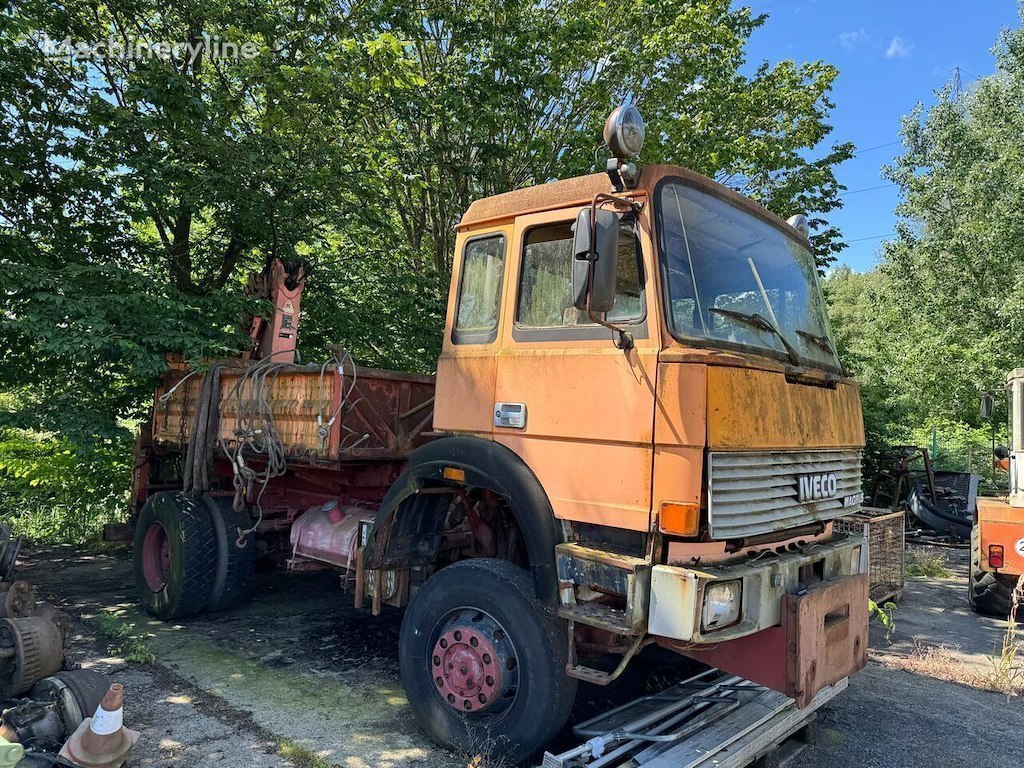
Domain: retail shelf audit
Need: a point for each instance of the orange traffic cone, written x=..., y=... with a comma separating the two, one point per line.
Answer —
x=102, y=741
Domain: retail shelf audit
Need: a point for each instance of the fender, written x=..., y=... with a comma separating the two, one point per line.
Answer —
x=410, y=517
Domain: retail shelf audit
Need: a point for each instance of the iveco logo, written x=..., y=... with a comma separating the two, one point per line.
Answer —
x=816, y=487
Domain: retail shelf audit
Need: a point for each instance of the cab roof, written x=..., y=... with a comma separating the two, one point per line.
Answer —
x=581, y=190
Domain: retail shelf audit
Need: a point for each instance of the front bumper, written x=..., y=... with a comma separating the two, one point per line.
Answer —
x=677, y=593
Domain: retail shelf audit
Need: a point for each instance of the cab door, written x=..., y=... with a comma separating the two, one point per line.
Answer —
x=578, y=410
x=467, y=367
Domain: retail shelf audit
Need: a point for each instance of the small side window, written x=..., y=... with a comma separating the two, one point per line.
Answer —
x=483, y=270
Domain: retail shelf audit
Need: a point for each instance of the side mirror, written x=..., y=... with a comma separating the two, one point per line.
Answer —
x=595, y=256
x=987, y=406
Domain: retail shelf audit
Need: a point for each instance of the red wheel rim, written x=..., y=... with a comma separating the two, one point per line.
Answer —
x=473, y=663
x=156, y=557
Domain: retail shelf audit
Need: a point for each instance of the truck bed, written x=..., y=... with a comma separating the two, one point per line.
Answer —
x=386, y=414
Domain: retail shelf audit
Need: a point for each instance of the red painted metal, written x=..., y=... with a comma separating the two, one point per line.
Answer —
x=760, y=657
x=474, y=664
x=156, y=557
x=277, y=336
x=466, y=669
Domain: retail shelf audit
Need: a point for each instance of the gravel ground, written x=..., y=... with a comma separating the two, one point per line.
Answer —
x=299, y=678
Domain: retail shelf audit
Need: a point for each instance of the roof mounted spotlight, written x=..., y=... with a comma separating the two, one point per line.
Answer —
x=799, y=223
x=624, y=133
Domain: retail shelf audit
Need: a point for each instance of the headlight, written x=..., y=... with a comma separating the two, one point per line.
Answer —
x=721, y=604
x=624, y=132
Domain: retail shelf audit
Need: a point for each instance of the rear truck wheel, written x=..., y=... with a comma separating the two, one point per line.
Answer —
x=175, y=555
x=232, y=581
x=990, y=594
x=483, y=661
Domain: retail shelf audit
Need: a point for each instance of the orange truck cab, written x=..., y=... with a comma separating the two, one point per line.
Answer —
x=997, y=538
x=706, y=460
x=641, y=434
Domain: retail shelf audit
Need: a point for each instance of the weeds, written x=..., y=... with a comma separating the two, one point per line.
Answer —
x=940, y=662
x=301, y=756
x=1007, y=673
x=122, y=640
x=884, y=615
x=928, y=566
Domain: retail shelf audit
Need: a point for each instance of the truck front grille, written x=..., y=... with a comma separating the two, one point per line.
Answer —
x=755, y=493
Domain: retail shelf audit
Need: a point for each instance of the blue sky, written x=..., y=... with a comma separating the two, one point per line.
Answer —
x=890, y=55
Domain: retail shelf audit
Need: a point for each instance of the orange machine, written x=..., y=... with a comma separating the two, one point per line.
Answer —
x=997, y=539
x=641, y=434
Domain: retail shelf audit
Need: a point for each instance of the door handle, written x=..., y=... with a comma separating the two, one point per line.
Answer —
x=510, y=415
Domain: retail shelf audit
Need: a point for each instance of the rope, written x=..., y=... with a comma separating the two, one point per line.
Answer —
x=257, y=436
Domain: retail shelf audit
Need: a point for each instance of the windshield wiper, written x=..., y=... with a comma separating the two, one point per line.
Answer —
x=819, y=341
x=825, y=344
x=757, y=321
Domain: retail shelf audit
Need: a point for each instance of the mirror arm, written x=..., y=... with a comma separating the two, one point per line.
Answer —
x=623, y=339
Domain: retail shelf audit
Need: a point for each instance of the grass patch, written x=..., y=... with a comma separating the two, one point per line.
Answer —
x=942, y=663
x=928, y=566
x=123, y=641
x=303, y=757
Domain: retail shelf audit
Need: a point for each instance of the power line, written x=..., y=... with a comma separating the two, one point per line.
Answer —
x=877, y=146
x=866, y=189
x=873, y=237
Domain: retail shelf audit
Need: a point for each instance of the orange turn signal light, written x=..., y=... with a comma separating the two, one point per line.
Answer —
x=995, y=556
x=454, y=473
x=680, y=519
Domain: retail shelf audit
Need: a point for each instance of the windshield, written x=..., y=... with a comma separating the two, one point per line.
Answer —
x=736, y=279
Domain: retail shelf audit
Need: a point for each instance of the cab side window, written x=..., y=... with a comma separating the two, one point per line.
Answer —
x=479, y=302
x=545, y=288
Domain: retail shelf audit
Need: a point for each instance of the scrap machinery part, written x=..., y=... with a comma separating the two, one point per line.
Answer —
x=55, y=708
x=50, y=612
x=17, y=600
x=711, y=720
x=30, y=649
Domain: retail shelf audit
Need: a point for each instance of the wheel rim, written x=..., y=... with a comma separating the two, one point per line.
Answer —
x=473, y=664
x=156, y=557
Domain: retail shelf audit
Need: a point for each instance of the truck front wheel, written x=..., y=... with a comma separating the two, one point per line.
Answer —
x=483, y=661
x=175, y=556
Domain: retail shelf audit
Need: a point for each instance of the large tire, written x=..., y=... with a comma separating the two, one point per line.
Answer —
x=232, y=582
x=175, y=556
x=483, y=662
x=990, y=594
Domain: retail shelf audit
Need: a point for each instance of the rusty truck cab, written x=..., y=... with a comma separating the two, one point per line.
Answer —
x=708, y=452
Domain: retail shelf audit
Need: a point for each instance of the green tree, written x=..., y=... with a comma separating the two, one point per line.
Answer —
x=955, y=275
x=516, y=93
x=136, y=192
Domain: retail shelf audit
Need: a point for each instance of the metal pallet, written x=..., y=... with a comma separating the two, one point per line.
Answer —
x=710, y=720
